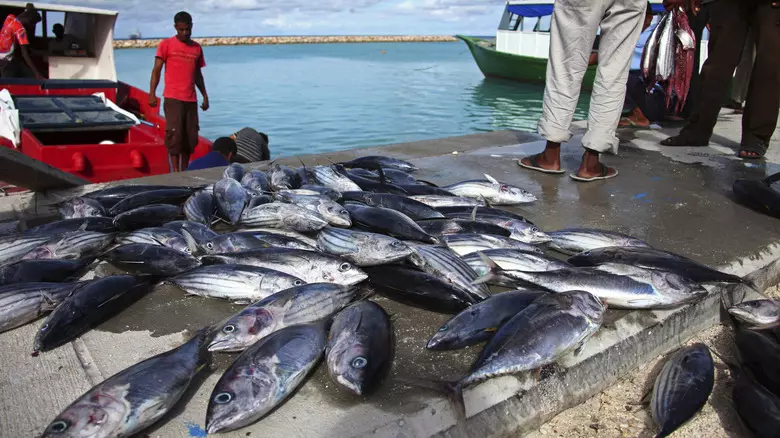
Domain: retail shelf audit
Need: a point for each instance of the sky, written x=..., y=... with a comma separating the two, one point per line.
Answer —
x=154, y=18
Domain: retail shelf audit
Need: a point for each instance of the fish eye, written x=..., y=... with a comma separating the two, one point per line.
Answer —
x=359, y=362
x=397, y=244
x=59, y=426
x=504, y=188
x=223, y=397
x=344, y=212
x=444, y=328
x=209, y=245
x=230, y=328
x=345, y=267
x=535, y=230
x=44, y=327
x=298, y=283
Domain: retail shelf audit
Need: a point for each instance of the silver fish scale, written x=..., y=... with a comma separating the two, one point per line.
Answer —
x=445, y=264
x=21, y=303
x=513, y=260
x=77, y=244
x=436, y=201
x=328, y=177
x=665, y=64
x=463, y=244
x=283, y=215
x=193, y=208
x=154, y=236
x=13, y=247
x=235, y=282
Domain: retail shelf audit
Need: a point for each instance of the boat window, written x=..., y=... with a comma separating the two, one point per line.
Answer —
x=78, y=38
x=543, y=25
x=515, y=21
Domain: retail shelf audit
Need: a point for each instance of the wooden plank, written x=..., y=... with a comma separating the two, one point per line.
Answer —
x=23, y=171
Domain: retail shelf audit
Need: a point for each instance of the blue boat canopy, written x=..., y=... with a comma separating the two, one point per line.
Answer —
x=543, y=10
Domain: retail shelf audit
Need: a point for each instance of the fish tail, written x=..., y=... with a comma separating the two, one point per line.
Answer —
x=453, y=391
x=494, y=272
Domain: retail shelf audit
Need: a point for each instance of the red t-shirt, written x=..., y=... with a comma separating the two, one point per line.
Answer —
x=12, y=31
x=181, y=61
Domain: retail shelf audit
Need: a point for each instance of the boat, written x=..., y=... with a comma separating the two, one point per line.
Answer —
x=520, y=49
x=135, y=35
x=80, y=119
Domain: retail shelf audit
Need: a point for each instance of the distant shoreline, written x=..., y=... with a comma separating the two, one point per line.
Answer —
x=241, y=41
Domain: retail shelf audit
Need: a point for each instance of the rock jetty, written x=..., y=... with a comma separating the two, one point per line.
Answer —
x=237, y=41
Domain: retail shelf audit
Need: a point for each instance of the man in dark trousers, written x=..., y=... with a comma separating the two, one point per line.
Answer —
x=183, y=60
x=223, y=149
x=730, y=21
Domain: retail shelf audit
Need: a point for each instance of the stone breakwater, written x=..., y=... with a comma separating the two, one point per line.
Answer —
x=237, y=41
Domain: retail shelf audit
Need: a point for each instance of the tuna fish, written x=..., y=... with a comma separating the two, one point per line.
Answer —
x=390, y=222
x=263, y=376
x=248, y=240
x=511, y=260
x=44, y=270
x=200, y=208
x=493, y=191
x=201, y=233
x=464, y=244
x=436, y=201
x=111, y=196
x=373, y=161
x=479, y=322
x=757, y=407
x=328, y=177
x=142, y=258
x=322, y=190
x=441, y=262
x=442, y=227
x=284, y=177
x=757, y=314
x=682, y=388
x=81, y=207
x=360, y=347
x=171, y=195
x=297, y=305
x=148, y=216
x=25, y=302
x=231, y=199
x=13, y=247
x=156, y=236
x=234, y=171
x=415, y=288
x=135, y=398
x=575, y=241
x=99, y=224
x=237, y=283
x=72, y=246
x=422, y=189
x=414, y=209
x=323, y=206
x=256, y=181
x=361, y=248
x=279, y=215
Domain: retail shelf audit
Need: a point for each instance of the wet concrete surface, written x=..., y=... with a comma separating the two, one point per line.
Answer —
x=673, y=205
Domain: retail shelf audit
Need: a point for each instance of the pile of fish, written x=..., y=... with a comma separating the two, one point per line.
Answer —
x=668, y=57
x=305, y=252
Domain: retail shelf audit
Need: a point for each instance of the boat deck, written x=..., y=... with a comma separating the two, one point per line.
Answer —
x=677, y=199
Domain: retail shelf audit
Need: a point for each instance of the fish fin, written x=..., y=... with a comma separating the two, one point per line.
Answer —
x=495, y=270
x=191, y=243
x=427, y=183
x=487, y=203
x=83, y=227
x=474, y=213
x=491, y=179
x=491, y=329
x=327, y=158
x=578, y=349
x=453, y=391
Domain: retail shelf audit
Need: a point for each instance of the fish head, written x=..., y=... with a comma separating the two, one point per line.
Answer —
x=178, y=243
x=757, y=312
x=334, y=213
x=349, y=362
x=96, y=414
x=391, y=249
x=589, y=305
x=343, y=273
x=68, y=208
x=463, y=326
x=527, y=233
x=222, y=244
x=231, y=198
x=243, y=329
x=669, y=283
x=242, y=395
x=41, y=252
x=509, y=194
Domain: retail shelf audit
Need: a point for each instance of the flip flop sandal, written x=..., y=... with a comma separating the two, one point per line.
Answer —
x=535, y=165
x=604, y=175
x=625, y=122
x=679, y=140
x=756, y=148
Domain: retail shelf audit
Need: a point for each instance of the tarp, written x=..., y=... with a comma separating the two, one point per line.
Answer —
x=542, y=10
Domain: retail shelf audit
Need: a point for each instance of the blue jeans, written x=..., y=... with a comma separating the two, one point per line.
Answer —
x=653, y=105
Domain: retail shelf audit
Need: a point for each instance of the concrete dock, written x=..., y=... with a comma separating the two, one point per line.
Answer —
x=677, y=199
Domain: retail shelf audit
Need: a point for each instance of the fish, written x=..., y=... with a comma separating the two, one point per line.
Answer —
x=474, y=213
x=200, y=208
x=443, y=263
x=143, y=258
x=436, y=201
x=264, y=375
x=759, y=195
x=650, y=52
x=325, y=207
x=12, y=227
x=81, y=207
x=654, y=259
x=246, y=240
x=95, y=223
x=759, y=352
x=13, y=247
x=280, y=215
x=148, y=216
x=25, y=302
x=110, y=196
x=90, y=304
x=479, y=322
x=756, y=406
x=665, y=64
x=236, y=283
x=491, y=190
x=682, y=388
x=43, y=270
x=419, y=289
x=310, y=266
x=156, y=236
x=757, y=314
x=549, y=328
x=371, y=185
x=256, y=181
x=72, y=246
x=512, y=260
x=393, y=176
x=619, y=286
x=296, y=305
x=172, y=196
x=422, y=189
x=231, y=199
x=576, y=240
x=329, y=177
x=373, y=161
x=234, y=171
x=201, y=233
x=467, y=243
x=271, y=233
x=322, y=190
x=443, y=227
x=362, y=248
x=414, y=209
x=135, y=398
x=361, y=346
x=521, y=230
x=258, y=200
x=284, y=177
x=385, y=221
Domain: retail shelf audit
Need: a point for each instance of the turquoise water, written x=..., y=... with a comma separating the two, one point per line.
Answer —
x=326, y=97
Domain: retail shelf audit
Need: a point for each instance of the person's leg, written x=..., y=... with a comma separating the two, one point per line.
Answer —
x=763, y=98
x=573, y=30
x=728, y=27
x=620, y=29
x=174, y=124
x=191, y=130
x=636, y=101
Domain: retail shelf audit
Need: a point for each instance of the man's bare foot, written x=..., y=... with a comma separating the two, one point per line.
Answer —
x=548, y=160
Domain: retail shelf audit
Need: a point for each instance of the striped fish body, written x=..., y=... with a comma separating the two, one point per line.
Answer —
x=521, y=230
x=279, y=215
x=200, y=208
x=650, y=54
x=362, y=248
x=110, y=196
x=576, y=240
x=201, y=233
x=95, y=223
x=142, y=258
x=322, y=190
x=385, y=221
x=682, y=387
x=72, y=246
x=414, y=209
x=147, y=216
x=424, y=189
x=13, y=247
x=464, y=244
x=468, y=212
x=495, y=192
x=24, y=302
x=419, y=289
x=442, y=227
x=231, y=198
x=172, y=195
x=264, y=233
x=234, y=171
x=437, y=201
x=443, y=263
x=297, y=305
x=665, y=64
x=156, y=236
x=240, y=284
x=328, y=177
x=36, y=271
x=513, y=260
x=323, y=206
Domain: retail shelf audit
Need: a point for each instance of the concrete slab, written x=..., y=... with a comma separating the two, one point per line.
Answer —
x=662, y=198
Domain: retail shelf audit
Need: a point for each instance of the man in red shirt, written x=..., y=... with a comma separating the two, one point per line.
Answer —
x=13, y=41
x=183, y=59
